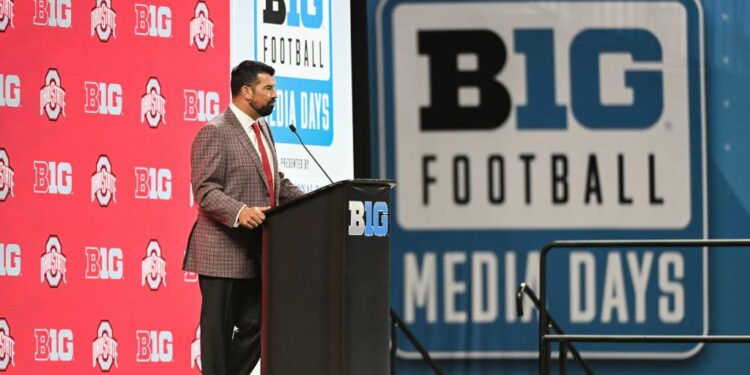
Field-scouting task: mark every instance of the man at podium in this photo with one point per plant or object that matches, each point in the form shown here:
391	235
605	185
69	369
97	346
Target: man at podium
235	178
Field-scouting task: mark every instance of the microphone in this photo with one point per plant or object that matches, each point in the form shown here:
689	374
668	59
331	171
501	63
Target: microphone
294	130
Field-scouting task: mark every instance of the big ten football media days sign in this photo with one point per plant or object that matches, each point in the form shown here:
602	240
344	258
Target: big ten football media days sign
509	124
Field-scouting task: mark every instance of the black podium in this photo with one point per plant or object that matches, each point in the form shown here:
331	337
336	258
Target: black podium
325	274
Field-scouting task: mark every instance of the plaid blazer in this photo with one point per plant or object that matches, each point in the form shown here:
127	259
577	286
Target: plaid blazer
227	173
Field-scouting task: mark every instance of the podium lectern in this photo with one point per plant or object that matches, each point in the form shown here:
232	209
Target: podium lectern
325	276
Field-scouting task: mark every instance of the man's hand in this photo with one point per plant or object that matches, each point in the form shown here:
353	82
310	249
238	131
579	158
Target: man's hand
252	217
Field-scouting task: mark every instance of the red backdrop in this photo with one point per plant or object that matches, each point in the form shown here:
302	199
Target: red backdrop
99	103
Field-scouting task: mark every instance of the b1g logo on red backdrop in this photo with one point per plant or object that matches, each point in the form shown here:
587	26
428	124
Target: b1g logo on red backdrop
103	20
10	90
6	176
10	260
53	263
7	346
153	183
104	263
53	177
54	345
103	182
154	346
6	15
153	104
52	95
201	27
53	13
153	267
104	350
153	20
103	98
200	105
190	277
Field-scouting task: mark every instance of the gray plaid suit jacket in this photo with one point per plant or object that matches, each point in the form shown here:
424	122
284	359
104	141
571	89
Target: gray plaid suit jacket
227	173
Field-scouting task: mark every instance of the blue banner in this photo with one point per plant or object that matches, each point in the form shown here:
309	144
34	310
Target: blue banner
509	124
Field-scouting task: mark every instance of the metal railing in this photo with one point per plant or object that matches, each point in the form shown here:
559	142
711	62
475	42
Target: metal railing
397	323
565	346
545	320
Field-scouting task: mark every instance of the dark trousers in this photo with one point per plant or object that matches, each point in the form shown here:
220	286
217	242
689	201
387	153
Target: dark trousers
229	303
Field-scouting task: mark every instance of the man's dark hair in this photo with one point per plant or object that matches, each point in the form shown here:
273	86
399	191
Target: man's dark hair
246	74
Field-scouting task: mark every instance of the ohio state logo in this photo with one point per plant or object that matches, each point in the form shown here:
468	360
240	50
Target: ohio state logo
6	15
53	263
153	267
103	182
7	346
201	27
52	96
195	350
153	104
105	347
103	20
6	176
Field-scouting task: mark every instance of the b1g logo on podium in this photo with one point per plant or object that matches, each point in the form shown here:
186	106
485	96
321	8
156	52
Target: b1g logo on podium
154	346
368	218
53	263
7	346
7	186
54	345
104	348
103	182
517	123
6	15
295	37
52	96
103	20
153	267
201	28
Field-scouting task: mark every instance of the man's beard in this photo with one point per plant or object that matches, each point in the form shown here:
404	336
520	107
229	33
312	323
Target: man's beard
266	109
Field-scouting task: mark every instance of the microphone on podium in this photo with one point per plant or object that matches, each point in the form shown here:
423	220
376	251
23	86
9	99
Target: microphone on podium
294	130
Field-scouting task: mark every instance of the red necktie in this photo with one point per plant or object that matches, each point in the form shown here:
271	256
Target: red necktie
266	162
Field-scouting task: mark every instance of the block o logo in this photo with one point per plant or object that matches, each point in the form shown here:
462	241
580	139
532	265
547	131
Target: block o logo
105	347
52	96
195	350
201	27
103	182
153	104
103	20
7	346
6	15
153	267
53	263
6	176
